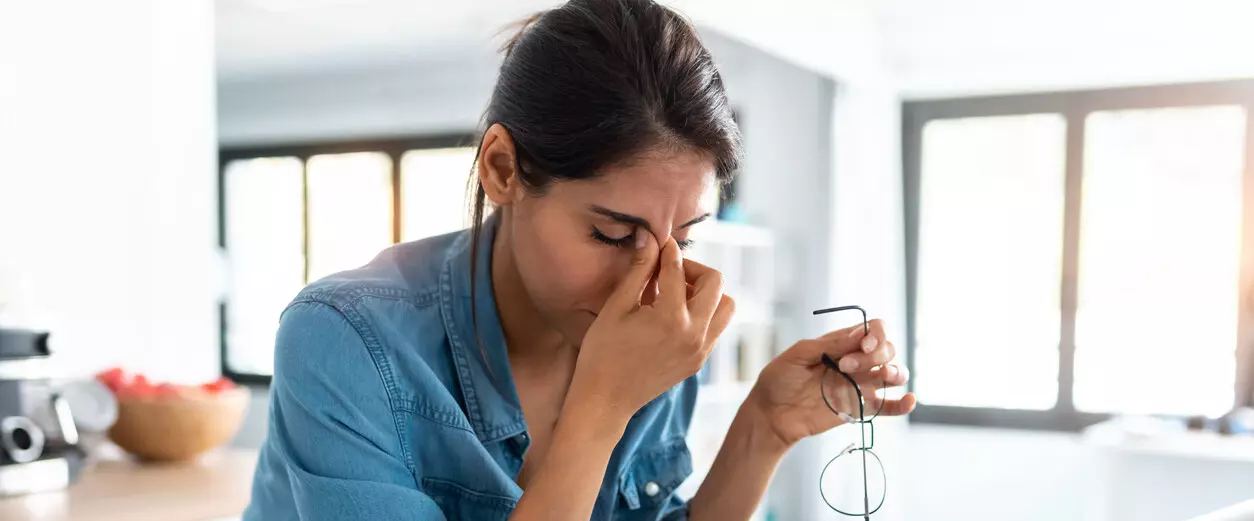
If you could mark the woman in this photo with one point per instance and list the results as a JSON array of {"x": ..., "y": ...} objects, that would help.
[{"x": 539, "y": 366}]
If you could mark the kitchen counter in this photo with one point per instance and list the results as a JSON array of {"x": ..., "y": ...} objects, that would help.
[{"x": 215, "y": 487}]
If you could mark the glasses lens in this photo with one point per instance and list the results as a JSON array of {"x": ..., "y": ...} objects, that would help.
[
  {"x": 842, "y": 482},
  {"x": 851, "y": 402}
]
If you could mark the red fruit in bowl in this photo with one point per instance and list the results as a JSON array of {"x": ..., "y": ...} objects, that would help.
[
  {"x": 221, "y": 384},
  {"x": 140, "y": 386},
  {"x": 115, "y": 379},
  {"x": 178, "y": 428}
]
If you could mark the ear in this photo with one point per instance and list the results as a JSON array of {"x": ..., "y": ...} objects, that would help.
[{"x": 498, "y": 167}]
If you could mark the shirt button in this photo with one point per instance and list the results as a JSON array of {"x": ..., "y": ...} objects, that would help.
[{"x": 651, "y": 489}]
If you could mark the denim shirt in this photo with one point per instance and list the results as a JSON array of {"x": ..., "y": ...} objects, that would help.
[{"x": 384, "y": 407}]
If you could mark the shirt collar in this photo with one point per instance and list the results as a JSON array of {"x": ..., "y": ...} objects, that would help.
[{"x": 482, "y": 363}]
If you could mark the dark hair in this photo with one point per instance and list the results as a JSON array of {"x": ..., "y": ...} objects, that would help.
[{"x": 592, "y": 83}]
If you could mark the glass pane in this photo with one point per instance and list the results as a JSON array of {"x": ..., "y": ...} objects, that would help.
[
  {"x": 990, "y": 261},
  {"x": 433, "y": 191},
  {"x": 265, "y": 248},
  {"x": 350, "y": 210},
  {"x": 1160, "y": 246}
]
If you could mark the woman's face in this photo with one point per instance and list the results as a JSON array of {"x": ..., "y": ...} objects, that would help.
[{"x": 572, "y": 244}]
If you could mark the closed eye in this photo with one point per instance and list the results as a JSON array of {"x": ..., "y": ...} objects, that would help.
[
  {"x": 618, "y": 242},
  {"x": 628, "y": 241}
]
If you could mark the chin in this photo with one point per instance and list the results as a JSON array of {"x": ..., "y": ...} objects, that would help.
[{"x": 578, "y": 327}]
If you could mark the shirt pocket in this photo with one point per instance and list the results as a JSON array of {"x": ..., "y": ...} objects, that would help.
[
  {"x": 651, "y": 476},
  {"x": 458, "y": 502}
]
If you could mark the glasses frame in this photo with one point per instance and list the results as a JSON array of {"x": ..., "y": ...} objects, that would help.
[{"x": 864, "y": 424}]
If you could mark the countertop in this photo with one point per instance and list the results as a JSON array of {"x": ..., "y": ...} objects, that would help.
[{"x": 214, "y": 487}]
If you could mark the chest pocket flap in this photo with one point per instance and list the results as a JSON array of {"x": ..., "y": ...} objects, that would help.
[
  {"x": 653, "y": 473},
  {"x": 458, "y": 502}
]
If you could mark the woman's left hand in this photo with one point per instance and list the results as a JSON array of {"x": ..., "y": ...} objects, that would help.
[{"x": 787, "y": 396}]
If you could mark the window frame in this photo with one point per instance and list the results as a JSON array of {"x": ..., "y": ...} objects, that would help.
[
  {"x": 394, "y": 148},
  {"x": 1074, "y": 107}
]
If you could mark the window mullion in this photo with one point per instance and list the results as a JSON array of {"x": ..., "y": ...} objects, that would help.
[
  {"x": 1245, "y": 331},
  {"x": 396, "y": 155},
  {"x": 304, "y": 198},
  {"x": 1070, "y": 258}
]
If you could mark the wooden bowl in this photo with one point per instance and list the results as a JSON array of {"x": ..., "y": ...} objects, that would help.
[{"x": 175, "y": 428}]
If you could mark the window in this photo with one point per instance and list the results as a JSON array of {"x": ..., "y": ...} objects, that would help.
[
  {"x": 1010, "y": 167},
  {"x": 264, "y": 234},
  {"x": 292, "y": 215},
  {"x": 426, "y": 186},
  {"x": 1076, "y": 255}
]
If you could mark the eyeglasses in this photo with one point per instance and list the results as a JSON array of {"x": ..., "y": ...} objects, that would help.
[{"x": 844, "y": 396}]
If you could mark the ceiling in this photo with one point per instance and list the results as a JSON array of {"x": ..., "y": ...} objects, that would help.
[
  {"x": 260, "y": 37},
  {"x": 267, "y": 37},
  {"x": 929, "y": 46}
]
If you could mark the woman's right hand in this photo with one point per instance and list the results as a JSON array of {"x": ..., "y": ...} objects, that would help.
[{"x": 634, "y": 352}]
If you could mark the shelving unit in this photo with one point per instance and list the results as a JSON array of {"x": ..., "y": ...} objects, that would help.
[{"x": 745, "y": 255}]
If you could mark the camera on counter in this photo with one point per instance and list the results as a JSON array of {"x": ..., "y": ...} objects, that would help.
[{"x": 38, "y": 439}]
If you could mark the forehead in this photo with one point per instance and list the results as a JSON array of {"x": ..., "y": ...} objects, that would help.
[{"x": 649, "y": 183}]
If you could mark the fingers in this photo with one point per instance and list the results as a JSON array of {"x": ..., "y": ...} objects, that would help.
[
  {"x": 861, "y": 361},
  {"x": 898, "y": 406},
  {"x": 810, "y": 350},
  {"x": 671, "y": 287},
  {"x": 722, "y": 316},
  {"x": 643, "y": 262},
  {"x": 838, "y": 344},
  {"x": 871, "y": 336},
  {"x": 873, "y": 332},
  {"x": 707, "y": 290},
  {"x": 879, "y": 379},
  {"x": 888, "y": 375},
  {"x": 693, "y": 270},
  {"x": 843, "y": 343}
]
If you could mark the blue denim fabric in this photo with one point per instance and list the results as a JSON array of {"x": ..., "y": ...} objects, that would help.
[{"x": 384, "y": 407}]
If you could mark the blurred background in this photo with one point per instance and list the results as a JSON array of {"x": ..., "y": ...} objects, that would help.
[{"x": 1051, "y": 203}]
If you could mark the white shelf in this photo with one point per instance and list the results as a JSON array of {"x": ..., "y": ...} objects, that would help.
[
  {"x": 746, "y": 257},
  {"x": 1196, "y": 445},
  {"x": 733, "y": 234}
]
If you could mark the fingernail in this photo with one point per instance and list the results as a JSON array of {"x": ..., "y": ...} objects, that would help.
[
  {"x": 848, "y": 365},
  {"x": 640, "y": 240},
  {"x": 869, "y": 342},
  {"x": 890, "y": 371}
]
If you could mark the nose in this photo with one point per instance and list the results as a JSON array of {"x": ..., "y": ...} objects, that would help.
[{"x": 651, "y": 290}]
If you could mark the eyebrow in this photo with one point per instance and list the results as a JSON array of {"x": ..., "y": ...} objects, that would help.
[{"x": 639, "y": 221}]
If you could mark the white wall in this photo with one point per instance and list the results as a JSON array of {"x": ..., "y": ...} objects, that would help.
[
  {"x": 786, "y": 113},
  {"x": 867, "y": 248},
  {"x": 973, "y": 47},
  {"x": 395, "y": 100},
  {"x": 990, "y": 474},
  {"x": 995, "y": 474},
  {"x": 107, "y": 152}
]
